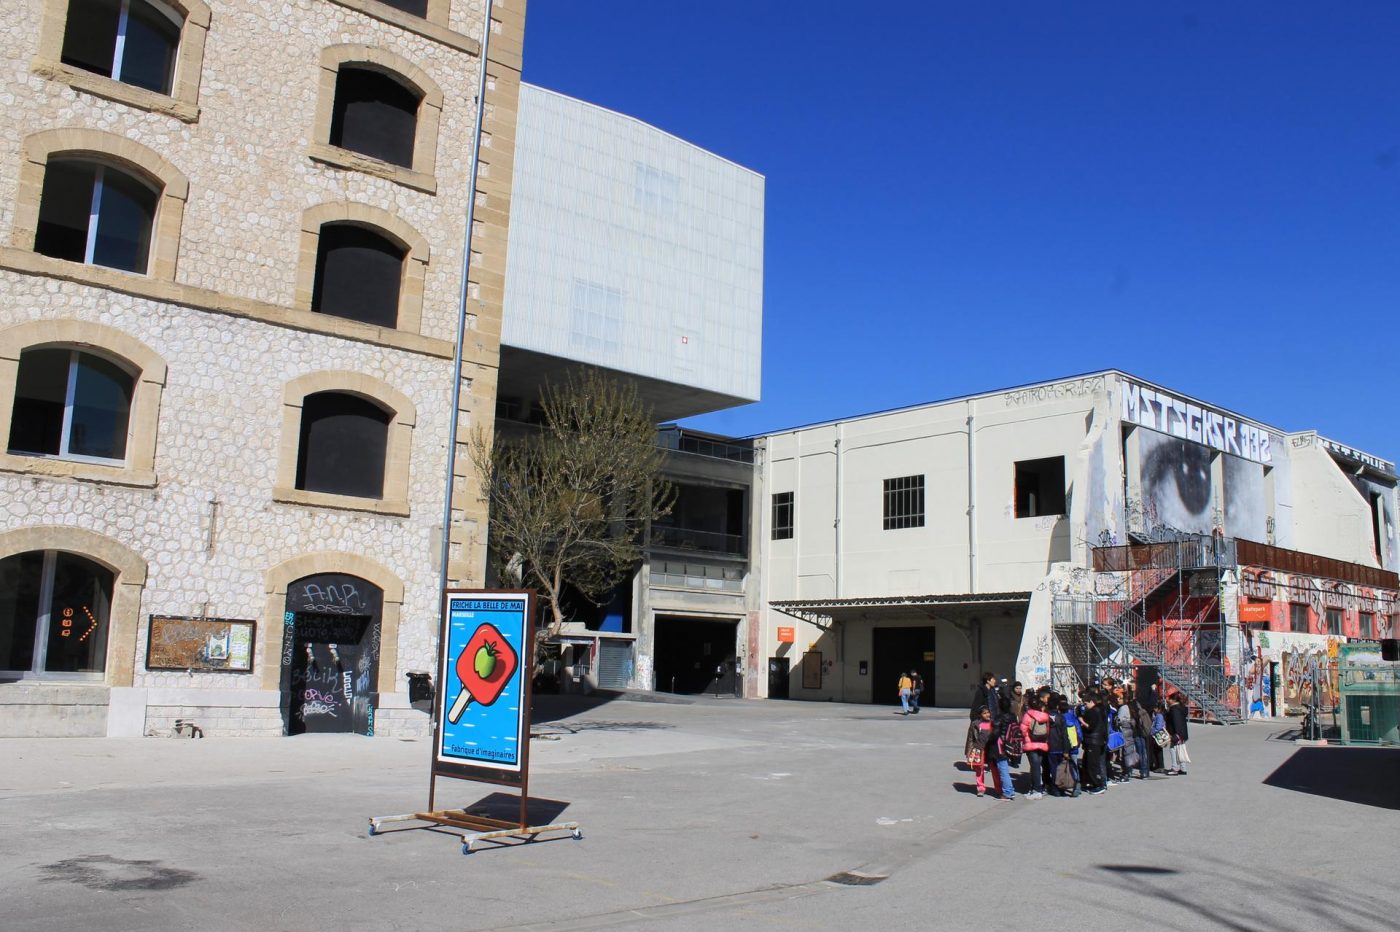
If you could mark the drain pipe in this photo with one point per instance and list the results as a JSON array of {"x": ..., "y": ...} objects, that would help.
[
  {"x": 971, "y": 499},
  {"x": 462, "y": 292}
]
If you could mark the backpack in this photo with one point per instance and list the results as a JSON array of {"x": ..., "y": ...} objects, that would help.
[
  {"x": 1071, "y": 732},
  {"x": 1040, "y": 730},
  {"x": 1011, "y": 740}
]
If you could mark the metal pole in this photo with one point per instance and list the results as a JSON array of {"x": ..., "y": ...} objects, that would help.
[{"x": 462, "y": 305}]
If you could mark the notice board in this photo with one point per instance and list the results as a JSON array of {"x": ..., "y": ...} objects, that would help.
[{"x": 211, "y": 645}]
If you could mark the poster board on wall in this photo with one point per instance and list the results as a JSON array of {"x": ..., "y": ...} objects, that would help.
[
  {"x": 206, "y": 645},
  {"x": 485, "y": 654}
]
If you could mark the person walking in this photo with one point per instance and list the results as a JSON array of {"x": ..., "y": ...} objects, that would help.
[
  {"x": 1177, "y": 728},
  {"x": 906, "y": 686},
  {"x": 979, "y": 735},
  {"x": 1035, "y": 741},
  {"x": 915, "y": 691}
]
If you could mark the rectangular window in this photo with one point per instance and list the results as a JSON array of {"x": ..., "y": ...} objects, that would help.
[
  {"x": 1298, "y": 618},
  {"x": 1366, "y": 626},
  {"x": 1040, "y": 487},
  {"x": 782, "y": 515},
  {"x": 904, "y": 502},
  {"x": 1334, "y": 621}
]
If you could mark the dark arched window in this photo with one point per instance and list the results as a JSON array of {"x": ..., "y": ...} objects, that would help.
[
  {"x": 374, "y": 115},
  {"x": 134, "y": 41},
  {"x": 344, "y": 439},
  {"x": 95, "y": 213},
  {"x": 70, "y": 404},
  {"x": 417, "y": 8},
  {"x": 358, "y": 275},
  {"x": 54, "y": 612}
]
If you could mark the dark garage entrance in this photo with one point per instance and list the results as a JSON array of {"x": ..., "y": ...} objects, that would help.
[
  {"x": 897, "y": 650},
  {"x": 695, "y": 655}
]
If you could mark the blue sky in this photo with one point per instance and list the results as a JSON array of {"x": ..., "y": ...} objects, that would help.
[{"x": 966, "y": 196}]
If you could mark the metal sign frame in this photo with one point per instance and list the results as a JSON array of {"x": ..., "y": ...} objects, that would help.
[{"x": 520, "y": 608}]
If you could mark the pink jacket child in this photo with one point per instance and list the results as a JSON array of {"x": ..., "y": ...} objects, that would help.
[{"x": 1029, "y": 721}]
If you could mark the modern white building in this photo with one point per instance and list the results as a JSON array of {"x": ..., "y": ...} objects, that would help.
[
  {"x": 640, "y": 254},
  {"x": 953, "y": 537}
]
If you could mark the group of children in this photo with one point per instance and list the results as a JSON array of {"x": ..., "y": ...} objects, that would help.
[{"x": 1103, "y": 739}]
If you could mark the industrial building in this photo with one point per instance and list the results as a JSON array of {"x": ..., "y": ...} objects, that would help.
[{"x": 1062, "y": 531}]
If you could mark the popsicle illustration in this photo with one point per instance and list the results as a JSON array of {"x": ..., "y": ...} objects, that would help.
[{"x": 484, "y": 667}]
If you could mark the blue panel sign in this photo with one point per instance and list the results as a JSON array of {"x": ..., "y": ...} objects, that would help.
[{"x": 482, "y": 701}]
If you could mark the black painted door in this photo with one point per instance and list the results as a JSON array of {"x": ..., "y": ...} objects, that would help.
[
  {"x": 330, "y": 675},
  {"x": 778, "y": 674}
]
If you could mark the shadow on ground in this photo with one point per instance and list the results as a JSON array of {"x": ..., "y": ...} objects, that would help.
[
  {"x": 1369, "y": 776},
  {"x": 551, "y": 707},
  {"x": 1211, "y": 893}
]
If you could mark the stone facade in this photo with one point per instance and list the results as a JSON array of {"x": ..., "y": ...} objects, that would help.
[{"x": 206, "y": 521}]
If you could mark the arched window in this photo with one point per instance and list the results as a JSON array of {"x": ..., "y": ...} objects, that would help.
[
  {"x": 359, "y": 275},
  {"x": 343, "y": 444},
  {"x": 417, "y": 8},
  {"x": 55, "y": 610},
  {"x": 374, "y": 115},
  {"x": 133, "y": 41},
  {"x": 95, "y": 213},
  {"x": 71, "y": 405}
]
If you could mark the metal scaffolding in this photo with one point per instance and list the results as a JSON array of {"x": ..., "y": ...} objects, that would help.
[{"x": 1154, "y": 605}]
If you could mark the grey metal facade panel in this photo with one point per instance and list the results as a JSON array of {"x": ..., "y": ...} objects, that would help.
[{"x": 633, "y": 250}]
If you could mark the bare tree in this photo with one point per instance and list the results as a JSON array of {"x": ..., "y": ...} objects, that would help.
[{"x": 570, "y": 503}]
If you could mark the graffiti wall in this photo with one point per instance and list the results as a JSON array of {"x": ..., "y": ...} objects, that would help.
[
  {"x": 1315, "y": 605},
  {"x": 1303, "y": 659}
]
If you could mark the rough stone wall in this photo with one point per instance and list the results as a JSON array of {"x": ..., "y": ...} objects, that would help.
[
  {"x": 221, "y": 413},
  {"x": 219, "y": 431}
]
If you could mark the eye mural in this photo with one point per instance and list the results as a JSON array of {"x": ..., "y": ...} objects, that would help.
[{"x": 1176, "y": 482}]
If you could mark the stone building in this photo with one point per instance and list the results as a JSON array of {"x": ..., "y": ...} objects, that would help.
[{"x": 231, "y": 264}]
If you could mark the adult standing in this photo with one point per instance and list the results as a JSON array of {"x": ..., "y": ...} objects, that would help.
[
  {"x": 1094, "y": 775},
  {"x": 987, "y": 697},
  {"x": 1177, "y": 728},
  {"x": 1142, "y": 736}
]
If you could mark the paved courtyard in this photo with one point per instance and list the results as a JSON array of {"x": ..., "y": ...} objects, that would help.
[{"x": 697, "y": 815}]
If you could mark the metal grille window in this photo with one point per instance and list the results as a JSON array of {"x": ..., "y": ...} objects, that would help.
[
  {"x": 1298, "y": 618},
  {"x": 904, "y": 502},
  {"x": 1334, "y": 621},
  {"x": 782, "y": 516}
]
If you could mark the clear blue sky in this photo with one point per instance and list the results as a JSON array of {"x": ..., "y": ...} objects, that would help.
[{"x": 965, "y": 196}]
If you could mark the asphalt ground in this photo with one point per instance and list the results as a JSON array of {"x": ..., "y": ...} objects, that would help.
[{"x": 695, "y": 815}]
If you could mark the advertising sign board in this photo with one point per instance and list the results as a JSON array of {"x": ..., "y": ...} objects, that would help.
[{"x": 485, "y": 655}]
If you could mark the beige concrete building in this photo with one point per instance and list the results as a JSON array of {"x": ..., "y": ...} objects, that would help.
[
  {"x": 231, "y": 265},
  {"x": 1064, "y": 530}
]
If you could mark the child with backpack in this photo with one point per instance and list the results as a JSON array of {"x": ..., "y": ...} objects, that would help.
[
  {"x": 1004, "y": 749},
  {"x": 1066, "y": 765},
  {"x": 1035, "y": 734},
  {"x": 980, "y": 734}
]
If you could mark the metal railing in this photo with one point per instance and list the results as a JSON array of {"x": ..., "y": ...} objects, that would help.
[
  {"x": 681, "y": 538},
  {"x": 1188, "y": 553}
]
